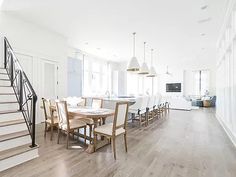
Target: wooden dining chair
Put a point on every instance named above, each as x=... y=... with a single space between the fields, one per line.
x=142 y=112
x=97 y=103
x=151 y=103
x=83 y=102
x=69 y=125
x=51 y=119
x=118 y=127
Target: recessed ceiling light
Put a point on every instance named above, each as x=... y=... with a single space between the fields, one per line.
x=204 y=7
x=203 y=34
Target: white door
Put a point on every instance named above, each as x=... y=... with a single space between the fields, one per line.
x=50 y=79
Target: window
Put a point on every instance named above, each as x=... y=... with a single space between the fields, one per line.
x=139 y=85
x=201 y=82
x=95 y=77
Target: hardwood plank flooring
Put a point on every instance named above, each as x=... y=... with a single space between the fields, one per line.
x=184 y=144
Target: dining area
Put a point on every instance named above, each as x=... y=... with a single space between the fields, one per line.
x=98 y=121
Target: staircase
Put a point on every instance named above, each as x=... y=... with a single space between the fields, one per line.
x=17 y=130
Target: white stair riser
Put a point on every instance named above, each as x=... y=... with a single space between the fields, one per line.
x=7 y=98
x=3 y=70
x=13 y=128
x=6 y=90
x=18 y=159
x=12 y=116
x=11 y=106
x=15 y=142
x=5 y=83
x=3 y=76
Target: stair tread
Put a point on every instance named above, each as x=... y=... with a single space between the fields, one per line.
x=16 y=151
x=7 y=93
x=8 y=102
x=12 y=122
x=9 y=111
x=4 y=73
x=5 y=86
x=14 y=135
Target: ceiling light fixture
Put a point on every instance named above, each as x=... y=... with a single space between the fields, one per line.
x=167 y=71
x=152 y=69
x=144 y=68
x=133 y=64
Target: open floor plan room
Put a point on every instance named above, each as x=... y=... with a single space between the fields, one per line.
x=117 y=88
x=181 y=144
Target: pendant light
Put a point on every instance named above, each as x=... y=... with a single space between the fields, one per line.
x=133 y=64
x=152 y=69
x=144 y=68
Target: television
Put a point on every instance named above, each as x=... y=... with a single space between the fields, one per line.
x=173 y=87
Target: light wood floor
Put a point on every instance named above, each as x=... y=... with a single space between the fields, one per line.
x=185 y=144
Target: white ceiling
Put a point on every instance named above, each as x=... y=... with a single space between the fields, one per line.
x=104 y=27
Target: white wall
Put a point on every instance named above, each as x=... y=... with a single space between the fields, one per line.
x=226 y=73
x=177 y=76
x=40 y=44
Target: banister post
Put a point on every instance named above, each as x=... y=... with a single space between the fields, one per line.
x=34 y=99
x=5 y=54
x=21 y=90
x=11 y=70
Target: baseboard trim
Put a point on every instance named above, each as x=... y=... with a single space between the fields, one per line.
x=179 y=109
x=227 y=130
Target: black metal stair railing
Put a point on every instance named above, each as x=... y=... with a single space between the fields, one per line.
x=23 y=89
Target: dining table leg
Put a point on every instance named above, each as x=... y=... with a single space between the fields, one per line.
x=99 y=143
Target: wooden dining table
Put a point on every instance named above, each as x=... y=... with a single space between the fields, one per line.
x=92 y=113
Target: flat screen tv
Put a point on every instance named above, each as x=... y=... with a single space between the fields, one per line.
x=173 y=87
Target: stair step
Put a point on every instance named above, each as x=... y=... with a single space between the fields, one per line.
x=7 y=93
x=7 y=98
x=3 y=73
x=6 y=89
x=5 y=86
x=9 y=105
x=14 y=135
x=12 y=116
x=12 y=122
x=5 y=82
x=15 y=151
x=9 y=111
x=9 y=102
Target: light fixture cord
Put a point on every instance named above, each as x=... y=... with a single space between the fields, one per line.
x=152 y=57
x=134 y=44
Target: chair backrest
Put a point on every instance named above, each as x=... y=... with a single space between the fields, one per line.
x=97 y=103
x=83 y=101
x=151 y=101
x=62 y=114
x=158 y=99
x=74 y=101
x=144 y=102
x=47 y=109
x=121 y=114
x=137 y=104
